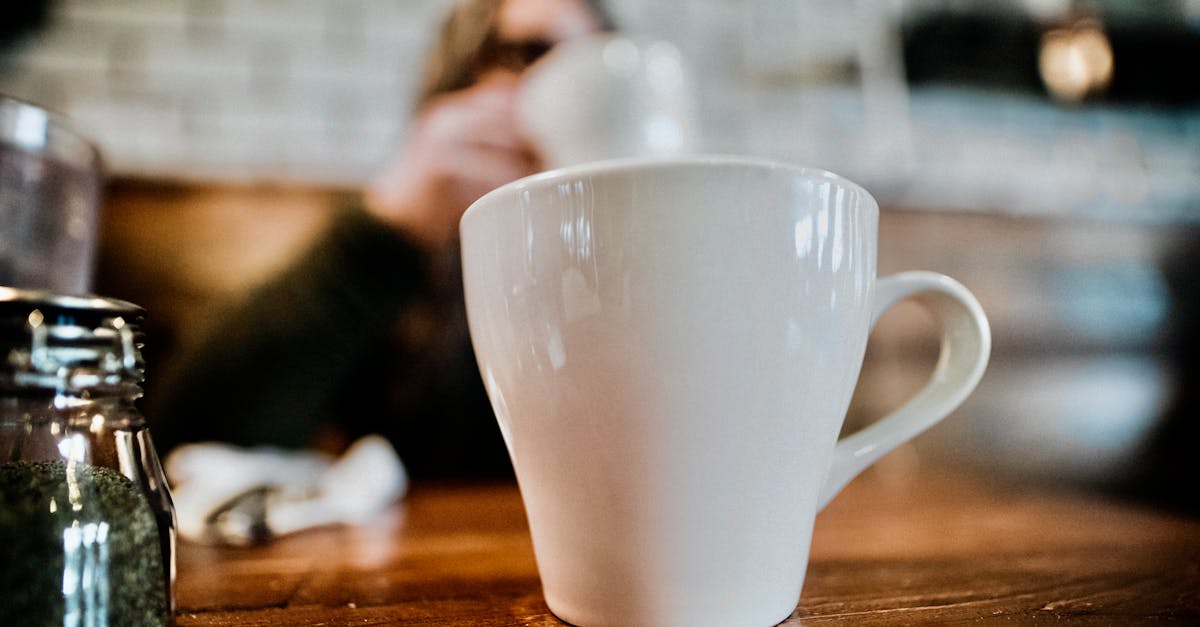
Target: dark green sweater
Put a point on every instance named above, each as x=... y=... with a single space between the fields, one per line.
x=362 y=332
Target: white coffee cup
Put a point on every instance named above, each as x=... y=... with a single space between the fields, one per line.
x=607 y=96
x=670 y=347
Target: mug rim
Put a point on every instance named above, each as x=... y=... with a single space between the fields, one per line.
x=627 y=164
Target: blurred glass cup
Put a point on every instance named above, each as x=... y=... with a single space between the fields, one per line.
x=608 y=96
x=50 y=185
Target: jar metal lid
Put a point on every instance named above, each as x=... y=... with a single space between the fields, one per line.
x=70 y=344
x=98 y=304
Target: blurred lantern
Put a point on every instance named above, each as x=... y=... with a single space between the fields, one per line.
x=1076 y=61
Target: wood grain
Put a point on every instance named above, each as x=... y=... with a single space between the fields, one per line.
x=929 y=548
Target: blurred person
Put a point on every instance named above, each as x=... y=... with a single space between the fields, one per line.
x=365 y=332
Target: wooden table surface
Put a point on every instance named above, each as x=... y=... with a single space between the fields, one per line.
x=932 y=547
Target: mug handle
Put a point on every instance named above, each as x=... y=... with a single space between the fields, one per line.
x=966 y=345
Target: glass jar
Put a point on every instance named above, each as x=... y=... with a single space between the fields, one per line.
x=87 y=527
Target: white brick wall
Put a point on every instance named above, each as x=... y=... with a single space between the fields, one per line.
x=230 y=89
x=319 y=91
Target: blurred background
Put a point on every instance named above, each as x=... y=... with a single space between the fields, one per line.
x=1044 y=152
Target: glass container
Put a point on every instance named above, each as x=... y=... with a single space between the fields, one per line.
x=87 y=529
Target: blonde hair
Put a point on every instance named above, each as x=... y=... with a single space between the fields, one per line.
x=453 y=61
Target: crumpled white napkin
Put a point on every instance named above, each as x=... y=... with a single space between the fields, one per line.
x=235 y=495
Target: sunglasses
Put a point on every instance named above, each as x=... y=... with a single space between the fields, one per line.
x=513 y=55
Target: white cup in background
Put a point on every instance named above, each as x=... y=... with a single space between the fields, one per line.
x=608 y=96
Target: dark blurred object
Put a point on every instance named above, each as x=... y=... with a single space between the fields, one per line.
x=20 y=19
x=1169 y=471
x=1001 y=50
x=984 y=50
x=1155 y=65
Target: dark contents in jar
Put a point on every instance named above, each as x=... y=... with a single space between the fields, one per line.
x=78 y=545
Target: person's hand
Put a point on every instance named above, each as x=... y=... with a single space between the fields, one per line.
x=459 y=147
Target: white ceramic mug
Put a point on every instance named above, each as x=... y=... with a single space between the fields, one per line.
x=670 y=347
x=607 y=96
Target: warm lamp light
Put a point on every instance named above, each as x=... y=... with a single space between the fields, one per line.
x=1076 y=62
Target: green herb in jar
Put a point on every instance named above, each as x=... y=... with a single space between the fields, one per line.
x=78 y=546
